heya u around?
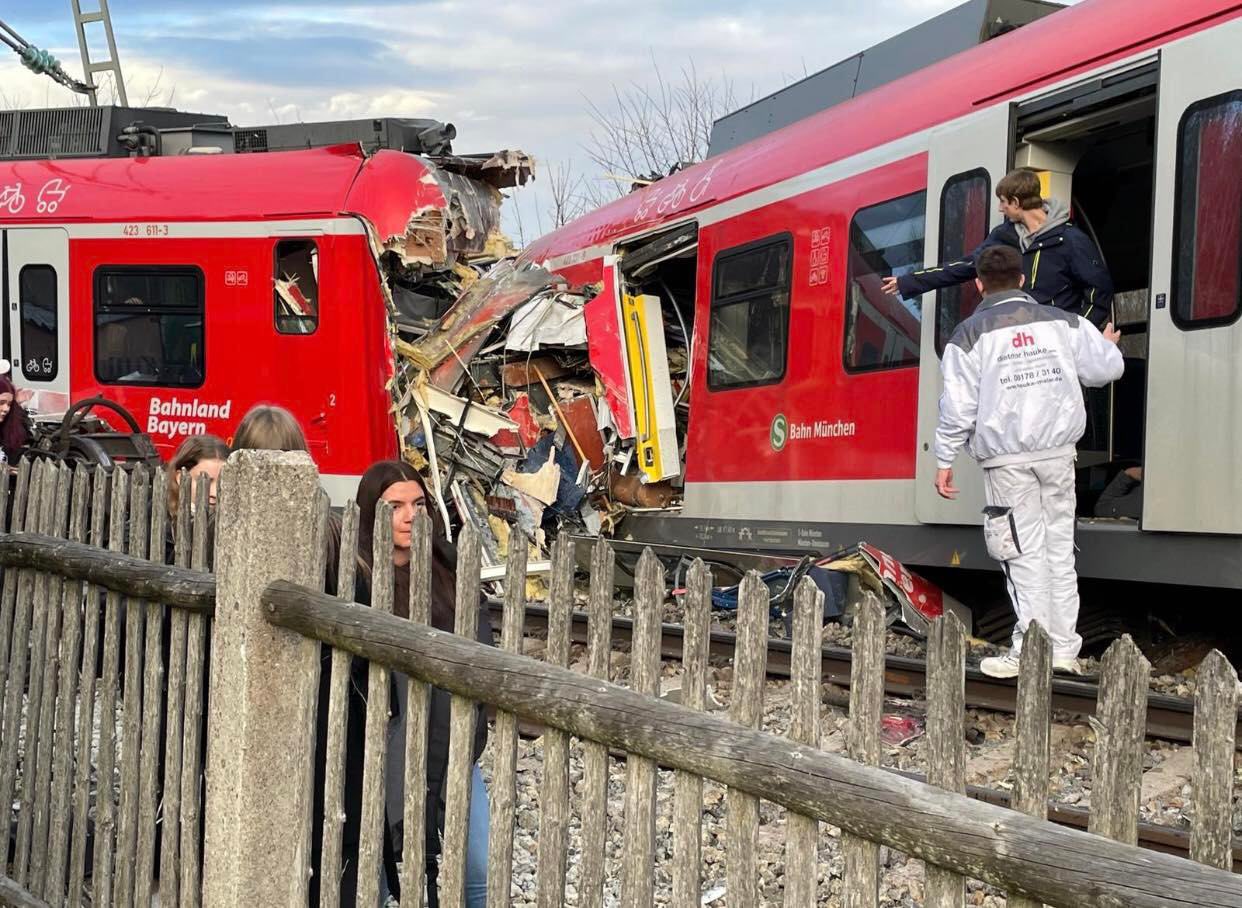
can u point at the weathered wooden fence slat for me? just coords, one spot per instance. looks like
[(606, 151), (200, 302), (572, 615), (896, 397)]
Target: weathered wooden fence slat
[(375, 758), (337, 722), (457, 782), (174, 712), (19, 656), (150, 783), (553, 845), (1216, 711), (1117, 766), (946, 738), (806, 676), (131, 705), (862, 857), (504, 749), (36, 645), (8, 598), (105, 805), (67, 688), (418, 700), (40, 704), (594, 800), (637, 877), (86, 692), (746, 710), (197, 627), (1031, 732), (687, 787)]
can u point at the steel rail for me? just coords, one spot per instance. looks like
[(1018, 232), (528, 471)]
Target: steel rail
[(1168, 718)]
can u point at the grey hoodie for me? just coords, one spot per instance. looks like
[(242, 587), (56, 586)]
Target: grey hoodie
[(1058, 214)]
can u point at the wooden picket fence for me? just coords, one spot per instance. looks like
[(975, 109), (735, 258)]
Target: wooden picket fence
[(268, 616), (83, 726)]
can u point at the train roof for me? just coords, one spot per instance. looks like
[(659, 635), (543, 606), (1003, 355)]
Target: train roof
[(1070, 41), (386, 187)]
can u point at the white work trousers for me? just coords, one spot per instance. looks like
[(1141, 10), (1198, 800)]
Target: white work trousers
[(1042, 582)]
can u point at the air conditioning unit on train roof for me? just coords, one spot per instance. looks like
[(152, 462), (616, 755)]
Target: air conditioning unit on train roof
[(940, 37), (85, 132), (428, 137)]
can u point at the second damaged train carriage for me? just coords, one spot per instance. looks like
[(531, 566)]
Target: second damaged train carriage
[(813, 395), (193, 271)]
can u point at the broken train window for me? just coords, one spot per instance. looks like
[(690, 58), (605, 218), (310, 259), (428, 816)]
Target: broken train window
[(296, 282), (748, 339)]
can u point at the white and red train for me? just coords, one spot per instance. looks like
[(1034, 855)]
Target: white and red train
[(813, 395)]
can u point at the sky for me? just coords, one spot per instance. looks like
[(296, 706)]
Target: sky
[(506, 75)]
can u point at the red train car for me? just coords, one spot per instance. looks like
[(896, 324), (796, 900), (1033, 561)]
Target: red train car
[(190, 288), (813, 395)]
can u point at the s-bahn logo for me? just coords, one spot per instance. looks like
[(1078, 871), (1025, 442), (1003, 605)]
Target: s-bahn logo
[(779, 433)]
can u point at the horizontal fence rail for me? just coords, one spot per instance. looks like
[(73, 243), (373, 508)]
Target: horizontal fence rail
[(1025, 856), (115, 571)]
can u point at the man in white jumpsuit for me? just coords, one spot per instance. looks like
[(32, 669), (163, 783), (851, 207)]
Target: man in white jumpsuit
[(1011, 392)]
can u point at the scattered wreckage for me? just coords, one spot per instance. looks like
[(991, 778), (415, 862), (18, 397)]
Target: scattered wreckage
[(535, 405)]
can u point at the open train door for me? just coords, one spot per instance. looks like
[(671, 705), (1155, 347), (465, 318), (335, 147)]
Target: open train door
[(1192, 471), (964, 162), (36, 272)]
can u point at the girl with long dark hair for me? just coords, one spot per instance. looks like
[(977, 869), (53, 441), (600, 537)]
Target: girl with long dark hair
[(14, 430), (400, 485)]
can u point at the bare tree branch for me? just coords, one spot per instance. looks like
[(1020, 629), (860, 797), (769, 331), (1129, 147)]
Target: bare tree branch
[(647, 131), (565, 188)]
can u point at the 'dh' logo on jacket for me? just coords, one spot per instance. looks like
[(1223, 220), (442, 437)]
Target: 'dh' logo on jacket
[(1011, 381)]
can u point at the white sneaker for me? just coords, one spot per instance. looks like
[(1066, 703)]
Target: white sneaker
[(1005, 666), (1066, 664)]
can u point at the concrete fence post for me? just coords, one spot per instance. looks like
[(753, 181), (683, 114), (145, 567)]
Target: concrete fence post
[(264, 682)]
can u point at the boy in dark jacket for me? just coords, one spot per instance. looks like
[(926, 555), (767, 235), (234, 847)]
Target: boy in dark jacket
[(1061, 264)]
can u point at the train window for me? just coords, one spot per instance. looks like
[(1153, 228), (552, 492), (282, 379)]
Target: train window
[(1207, 233), (749, 333), (149, 326), (882, 330), (296, 281), (964, 206), (37, 307)]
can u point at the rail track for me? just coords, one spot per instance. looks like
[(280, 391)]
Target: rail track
[(1168, 718)]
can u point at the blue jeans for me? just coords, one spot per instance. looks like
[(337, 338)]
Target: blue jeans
[(477, 841), (477, 833)]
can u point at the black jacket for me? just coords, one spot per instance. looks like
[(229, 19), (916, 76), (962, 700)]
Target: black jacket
[(1062, 267)]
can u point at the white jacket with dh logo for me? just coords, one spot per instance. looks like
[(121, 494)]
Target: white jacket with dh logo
[(1011, 381)]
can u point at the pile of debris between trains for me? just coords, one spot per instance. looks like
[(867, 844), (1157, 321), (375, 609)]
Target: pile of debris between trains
[(529, 404), (523, 404)]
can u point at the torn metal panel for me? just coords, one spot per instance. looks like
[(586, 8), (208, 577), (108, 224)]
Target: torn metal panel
[(467, 414), (547, 320), (606, 347), (424, 240), (459, 216), (500, 169), (477, 312), (471, 211)]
